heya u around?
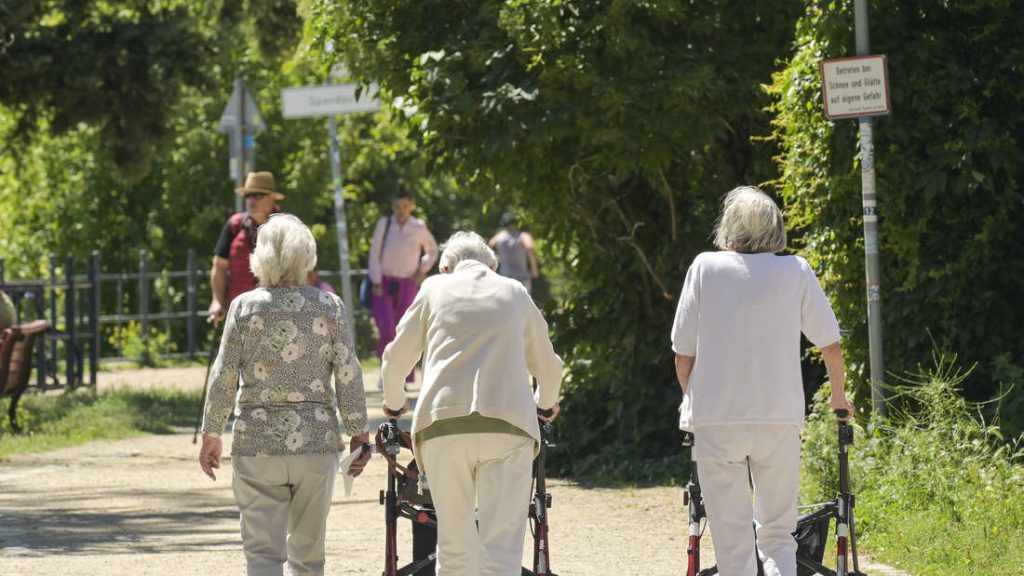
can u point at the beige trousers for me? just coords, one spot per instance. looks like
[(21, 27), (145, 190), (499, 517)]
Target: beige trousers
[(284, 501), (490, 472), (771, 453)]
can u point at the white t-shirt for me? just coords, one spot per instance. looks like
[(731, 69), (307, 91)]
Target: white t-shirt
[(741, 316)]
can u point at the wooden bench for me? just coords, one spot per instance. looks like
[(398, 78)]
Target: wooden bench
[(16, 344)]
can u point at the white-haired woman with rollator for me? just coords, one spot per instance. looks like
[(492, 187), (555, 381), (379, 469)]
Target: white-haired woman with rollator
[(282, 344), (737, 343), (475, 427)]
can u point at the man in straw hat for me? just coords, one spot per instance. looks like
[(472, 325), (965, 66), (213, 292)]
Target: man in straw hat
[(231, 275)]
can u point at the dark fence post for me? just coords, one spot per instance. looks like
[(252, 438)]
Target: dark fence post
[(190, 302), (52, 360), (144, 303), (167, 302), (40, 306), (94, 315), (70, 345), (2, 266), (120, 315)]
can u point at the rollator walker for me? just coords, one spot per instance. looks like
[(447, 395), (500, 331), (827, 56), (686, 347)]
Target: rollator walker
[(408, 496), (812, 527)]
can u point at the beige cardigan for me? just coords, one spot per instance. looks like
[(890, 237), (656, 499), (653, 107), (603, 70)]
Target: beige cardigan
[(481, 337)]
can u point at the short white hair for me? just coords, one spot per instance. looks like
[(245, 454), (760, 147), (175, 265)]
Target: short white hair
[(285, 252), (466, 246), (750, 223)]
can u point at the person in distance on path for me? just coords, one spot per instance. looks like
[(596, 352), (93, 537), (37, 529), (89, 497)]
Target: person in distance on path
[(231, 275)]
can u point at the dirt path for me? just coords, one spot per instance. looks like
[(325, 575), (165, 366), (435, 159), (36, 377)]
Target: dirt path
[(142, 506)]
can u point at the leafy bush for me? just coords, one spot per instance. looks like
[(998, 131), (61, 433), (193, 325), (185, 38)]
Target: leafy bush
[(949, 174), (145, 351), (1009, 405), (615, 126), (937, 489)]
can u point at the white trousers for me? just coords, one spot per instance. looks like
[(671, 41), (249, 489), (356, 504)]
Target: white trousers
[(490, 472), (284, 501), (771, 453)]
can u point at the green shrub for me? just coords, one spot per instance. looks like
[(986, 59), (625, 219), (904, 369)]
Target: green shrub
[(145, 351), (613, 128), (54, 421), (948, 177), (937, 487), (1009, 406)]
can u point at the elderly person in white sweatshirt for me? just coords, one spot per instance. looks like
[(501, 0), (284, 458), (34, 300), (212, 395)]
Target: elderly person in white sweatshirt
[(282, 344), (737, 343), (475, 423)]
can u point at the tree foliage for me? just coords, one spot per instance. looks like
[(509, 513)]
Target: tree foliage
[(616, 125), (64, 189), (949, 169), (613, 126), (120, 67)]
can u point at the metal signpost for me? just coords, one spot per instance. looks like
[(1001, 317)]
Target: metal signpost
[(328, 100), (240, 121), (331, 100), (859, 87)]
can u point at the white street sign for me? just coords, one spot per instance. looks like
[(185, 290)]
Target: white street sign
[(856, 86), (328, 100)]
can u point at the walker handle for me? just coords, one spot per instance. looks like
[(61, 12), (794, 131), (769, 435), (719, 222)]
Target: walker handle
[(687, 439), (389, 439), (845, 430), (547, 430)]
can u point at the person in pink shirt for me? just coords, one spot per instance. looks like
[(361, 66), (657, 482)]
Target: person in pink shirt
[(401, 253)]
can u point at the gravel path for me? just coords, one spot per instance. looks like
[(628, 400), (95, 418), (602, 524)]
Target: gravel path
[(142, 506)]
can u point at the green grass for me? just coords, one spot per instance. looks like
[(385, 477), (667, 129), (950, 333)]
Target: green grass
[(939, 491), (125, 365), (68, 419)]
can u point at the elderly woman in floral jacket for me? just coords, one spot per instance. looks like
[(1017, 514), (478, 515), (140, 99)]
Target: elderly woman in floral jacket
[(281, 344)]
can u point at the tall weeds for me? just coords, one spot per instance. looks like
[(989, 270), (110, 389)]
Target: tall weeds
[(937, 487)]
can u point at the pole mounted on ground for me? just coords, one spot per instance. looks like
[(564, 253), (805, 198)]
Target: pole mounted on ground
[(241, 120), (872, 265), (858, 87)]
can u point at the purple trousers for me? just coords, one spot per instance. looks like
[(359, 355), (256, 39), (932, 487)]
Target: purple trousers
[(388, 308)]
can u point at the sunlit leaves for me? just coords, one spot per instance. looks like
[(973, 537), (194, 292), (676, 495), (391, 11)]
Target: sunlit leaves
[(949, 195), (614, 126)]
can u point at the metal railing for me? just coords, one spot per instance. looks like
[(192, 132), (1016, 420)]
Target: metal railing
[(75, 331), (100, 304)]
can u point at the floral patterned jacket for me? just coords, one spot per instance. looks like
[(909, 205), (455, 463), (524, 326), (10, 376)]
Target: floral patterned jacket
[(280, 347)]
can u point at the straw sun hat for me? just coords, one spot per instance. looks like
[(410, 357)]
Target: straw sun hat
[(260, 182)]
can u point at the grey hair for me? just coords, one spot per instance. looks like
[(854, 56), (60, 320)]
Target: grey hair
[(466, 246), (750, 223), (285, 252)]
